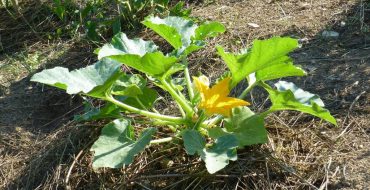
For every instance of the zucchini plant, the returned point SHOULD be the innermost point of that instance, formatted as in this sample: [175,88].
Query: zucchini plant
[211,123]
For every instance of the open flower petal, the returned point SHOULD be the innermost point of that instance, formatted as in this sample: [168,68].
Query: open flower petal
[215,100]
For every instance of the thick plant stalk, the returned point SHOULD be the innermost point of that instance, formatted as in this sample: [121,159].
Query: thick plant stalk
[188,80]
[183,103]
[247,90]
[177,120]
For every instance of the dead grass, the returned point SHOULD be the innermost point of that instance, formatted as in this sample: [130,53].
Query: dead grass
[41,149]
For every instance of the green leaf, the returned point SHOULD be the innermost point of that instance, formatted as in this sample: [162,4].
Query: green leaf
[239,115]
[138,54]
[183,34]
[116,146]
[209,29]
[264,53]
[145,100]
[217,156]
[175,30]
[221,152]
[129,85]
[289,97]
[279,70]
[92,80]
[252,131]
[247,127]
[174,69]
[109,110]
[151,63]
[179,10]
[121,45]
[194,142]
[217,132]
[191,48]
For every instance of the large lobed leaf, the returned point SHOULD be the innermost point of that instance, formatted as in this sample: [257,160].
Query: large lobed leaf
[93,80]
[208,29]
[116,146]
[266,58]
[175,30]
[289,97]
[138,54]
[120,44]
[247,127]
[183,34]
[279,70]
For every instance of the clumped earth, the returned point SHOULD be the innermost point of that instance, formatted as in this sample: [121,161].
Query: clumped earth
[41,147]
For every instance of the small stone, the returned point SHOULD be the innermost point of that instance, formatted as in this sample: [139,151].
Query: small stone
[342,24]
[330,34]
[254,25]
[303,40]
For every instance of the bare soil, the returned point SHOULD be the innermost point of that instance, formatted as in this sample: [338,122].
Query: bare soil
[42,148]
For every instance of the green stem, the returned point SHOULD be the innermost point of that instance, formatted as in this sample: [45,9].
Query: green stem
[177,120]
[265,113]
[201,118]
[164,140]
[140,103]
[213,121]
[177,91]
[264,85]
[178,105]
[247,90]
[157,122]
[181,110]
[143,106]
[188,81]
[183,103]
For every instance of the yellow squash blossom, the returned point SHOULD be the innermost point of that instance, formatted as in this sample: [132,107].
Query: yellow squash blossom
[215,100]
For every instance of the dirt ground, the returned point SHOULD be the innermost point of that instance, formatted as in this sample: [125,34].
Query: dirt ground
[41,147]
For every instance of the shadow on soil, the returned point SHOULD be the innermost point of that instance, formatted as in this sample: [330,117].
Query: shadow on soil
[338,70]
[33,116]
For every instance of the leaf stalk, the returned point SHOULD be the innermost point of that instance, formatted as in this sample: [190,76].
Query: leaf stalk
[189,84]
[149,114]
[182,101]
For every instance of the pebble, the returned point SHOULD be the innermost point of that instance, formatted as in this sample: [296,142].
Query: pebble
[330,34]
[254,25]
